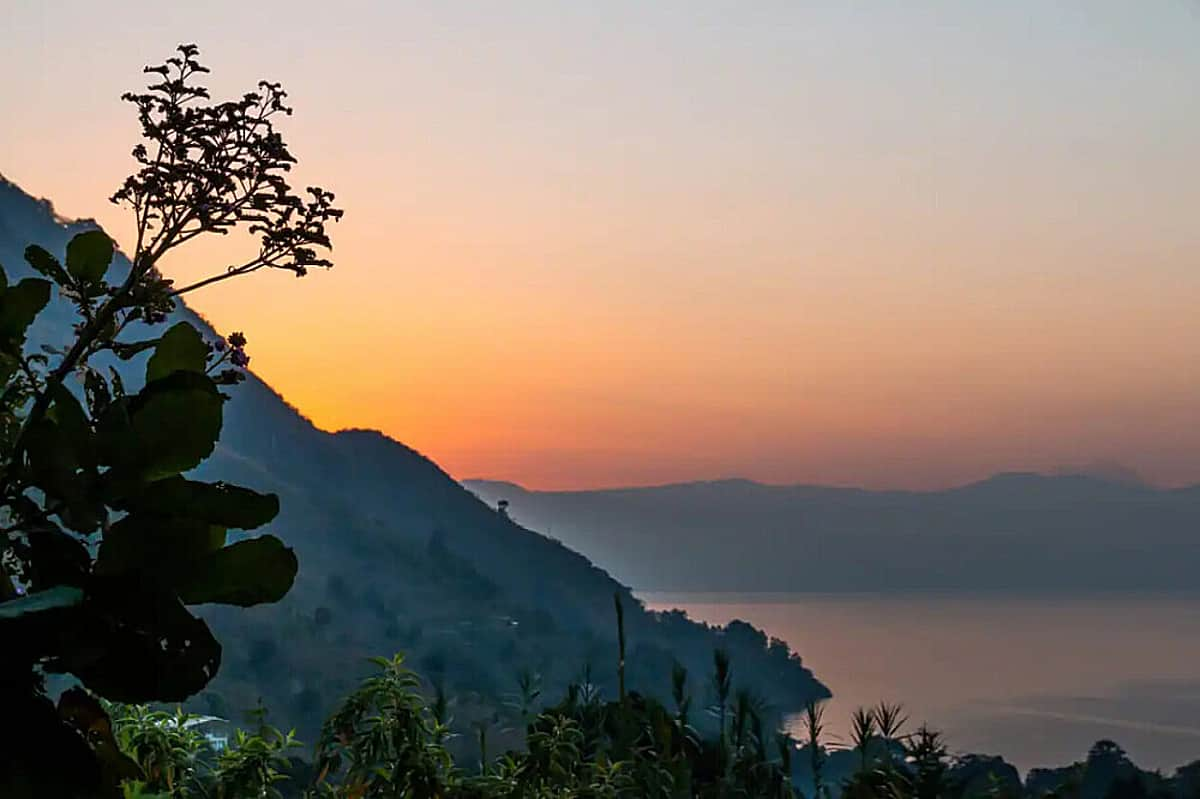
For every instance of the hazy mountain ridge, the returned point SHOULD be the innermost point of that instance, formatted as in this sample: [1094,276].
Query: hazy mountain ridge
[396,555]
[1014,531]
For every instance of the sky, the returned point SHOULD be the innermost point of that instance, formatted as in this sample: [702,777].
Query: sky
[901,244]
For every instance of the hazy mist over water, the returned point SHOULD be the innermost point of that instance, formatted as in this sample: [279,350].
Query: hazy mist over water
[1035,679]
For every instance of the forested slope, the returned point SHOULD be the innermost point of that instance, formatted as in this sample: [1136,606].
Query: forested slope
[396,555]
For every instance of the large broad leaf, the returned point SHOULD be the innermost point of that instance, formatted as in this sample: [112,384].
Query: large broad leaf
[88,256]
[113,431]
[41,756]
[19,306]
[62,462]
[170,426]
[176,421]
[84,712]
[52,460]
[68,414]
[56,469]
[42,261]
[132,641]
[56,598]
[57,558]
[216,503]
[179,349]
[164,546]
[250,572]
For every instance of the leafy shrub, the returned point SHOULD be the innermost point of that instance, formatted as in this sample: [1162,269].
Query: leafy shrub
[105,542]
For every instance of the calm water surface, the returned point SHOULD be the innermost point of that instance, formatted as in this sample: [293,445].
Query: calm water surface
[1035,679]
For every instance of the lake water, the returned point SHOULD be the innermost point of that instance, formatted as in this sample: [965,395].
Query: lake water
[1035,679]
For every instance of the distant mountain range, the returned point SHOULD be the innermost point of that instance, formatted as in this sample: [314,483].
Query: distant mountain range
[395,555]
[1102,531]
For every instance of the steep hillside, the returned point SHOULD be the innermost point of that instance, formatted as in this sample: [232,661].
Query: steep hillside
[395,555]
[1014,532]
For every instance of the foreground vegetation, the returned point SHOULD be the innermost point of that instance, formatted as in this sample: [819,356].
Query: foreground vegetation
[106,543]
[391,738]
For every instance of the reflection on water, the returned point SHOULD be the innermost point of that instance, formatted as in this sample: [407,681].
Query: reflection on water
[1035,679]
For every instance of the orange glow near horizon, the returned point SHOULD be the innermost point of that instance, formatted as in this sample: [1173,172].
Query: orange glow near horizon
[630,245]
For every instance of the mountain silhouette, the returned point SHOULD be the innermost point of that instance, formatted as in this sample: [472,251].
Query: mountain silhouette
[1011,532]
[396,555]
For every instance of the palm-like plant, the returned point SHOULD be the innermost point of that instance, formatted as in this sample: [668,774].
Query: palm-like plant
[523,703]
[482,726]
[814,728]
[620,609]
[683,702]
[890,719]
[926,754]
[862,731]
[722,686]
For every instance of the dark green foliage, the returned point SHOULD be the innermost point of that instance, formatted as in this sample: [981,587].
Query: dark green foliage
[927,764]
[173,760]
[814,729]
[384,741]
[683,701]
[392,738]
[88,257]
[387,741]
[979,776]
[620,646]
[216,503]
[250,572]
[19,306]
[105,543]
[256,762]
[862,734]
[167,748]
[179,350]
[131,640]
[46,264]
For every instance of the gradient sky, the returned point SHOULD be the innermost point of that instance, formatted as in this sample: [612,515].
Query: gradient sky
[887,244]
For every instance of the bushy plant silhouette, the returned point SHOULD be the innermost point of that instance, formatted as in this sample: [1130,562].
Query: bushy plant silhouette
[386,742]
[390,739]
[105,540]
